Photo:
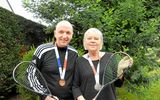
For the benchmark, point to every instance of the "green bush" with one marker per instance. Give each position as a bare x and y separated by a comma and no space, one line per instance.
9,52
123,94
147,91
150,92
15,31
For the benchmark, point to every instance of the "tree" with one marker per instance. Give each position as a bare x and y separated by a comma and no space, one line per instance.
9,51
128,25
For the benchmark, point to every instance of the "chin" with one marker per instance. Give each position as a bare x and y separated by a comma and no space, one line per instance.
92,50
64,45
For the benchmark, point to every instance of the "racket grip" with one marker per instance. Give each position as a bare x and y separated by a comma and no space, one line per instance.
95,98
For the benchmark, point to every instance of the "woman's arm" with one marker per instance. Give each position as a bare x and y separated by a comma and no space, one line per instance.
76,83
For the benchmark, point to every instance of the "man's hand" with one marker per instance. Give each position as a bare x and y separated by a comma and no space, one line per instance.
50,98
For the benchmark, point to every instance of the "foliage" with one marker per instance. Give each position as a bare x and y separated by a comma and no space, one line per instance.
9,51
123,94
142,91
16,35
151,92
119,20
128,25
147,92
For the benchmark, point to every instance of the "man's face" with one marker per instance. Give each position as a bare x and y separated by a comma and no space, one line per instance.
63,35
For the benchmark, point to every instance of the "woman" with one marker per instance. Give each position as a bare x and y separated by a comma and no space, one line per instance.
89,70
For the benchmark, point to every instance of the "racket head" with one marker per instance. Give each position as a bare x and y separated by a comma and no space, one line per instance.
116,60
110,74
27,75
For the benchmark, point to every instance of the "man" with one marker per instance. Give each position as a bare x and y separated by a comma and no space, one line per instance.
56,62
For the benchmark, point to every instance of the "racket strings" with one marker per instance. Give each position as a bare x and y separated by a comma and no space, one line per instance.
29,76
110,72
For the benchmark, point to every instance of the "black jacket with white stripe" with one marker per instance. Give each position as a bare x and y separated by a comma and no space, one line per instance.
45,59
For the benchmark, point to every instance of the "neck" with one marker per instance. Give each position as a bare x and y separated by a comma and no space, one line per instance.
94,55
60,46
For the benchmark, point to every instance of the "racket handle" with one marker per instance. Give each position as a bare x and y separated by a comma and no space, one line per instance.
95,98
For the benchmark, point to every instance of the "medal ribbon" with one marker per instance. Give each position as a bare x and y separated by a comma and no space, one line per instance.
96,73
62,72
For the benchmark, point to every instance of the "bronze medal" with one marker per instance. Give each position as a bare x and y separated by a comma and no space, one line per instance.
62,82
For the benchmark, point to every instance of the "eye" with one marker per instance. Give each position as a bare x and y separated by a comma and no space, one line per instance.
89,38
96,38
61,32
68,32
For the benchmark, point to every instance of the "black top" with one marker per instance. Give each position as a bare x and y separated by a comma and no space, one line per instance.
84,81
46,61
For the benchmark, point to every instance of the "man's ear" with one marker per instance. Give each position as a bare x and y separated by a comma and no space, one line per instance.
54,32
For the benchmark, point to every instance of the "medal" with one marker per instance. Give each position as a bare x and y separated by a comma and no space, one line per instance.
62,82
62,71
97,86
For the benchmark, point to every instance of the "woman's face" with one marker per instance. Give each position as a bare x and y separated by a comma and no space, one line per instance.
92,42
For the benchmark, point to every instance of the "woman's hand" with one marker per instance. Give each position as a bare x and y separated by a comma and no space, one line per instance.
124,63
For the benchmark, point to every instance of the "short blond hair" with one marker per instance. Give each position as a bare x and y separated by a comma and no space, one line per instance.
93,30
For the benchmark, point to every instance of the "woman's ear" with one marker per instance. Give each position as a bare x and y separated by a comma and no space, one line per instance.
84,44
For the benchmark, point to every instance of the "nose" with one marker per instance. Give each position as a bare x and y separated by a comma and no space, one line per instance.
64,34
92,40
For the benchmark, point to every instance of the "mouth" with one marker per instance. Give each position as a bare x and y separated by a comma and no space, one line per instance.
64,41
92,45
